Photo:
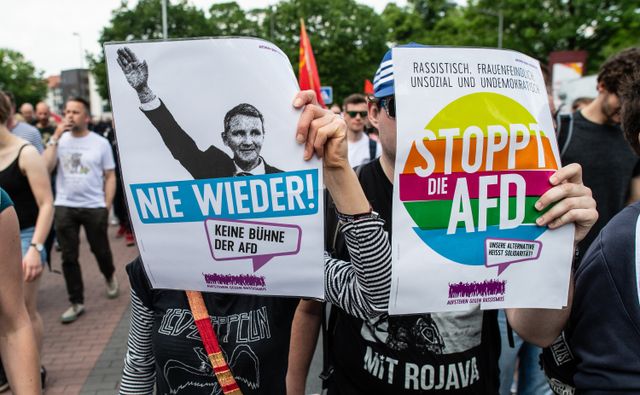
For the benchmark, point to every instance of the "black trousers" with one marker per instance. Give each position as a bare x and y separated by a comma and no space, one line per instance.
67,224
120,206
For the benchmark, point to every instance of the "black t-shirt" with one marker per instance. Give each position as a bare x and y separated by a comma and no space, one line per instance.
445,353
253,332
608,165
46,132
17,186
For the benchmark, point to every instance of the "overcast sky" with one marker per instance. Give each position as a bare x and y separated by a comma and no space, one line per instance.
52,34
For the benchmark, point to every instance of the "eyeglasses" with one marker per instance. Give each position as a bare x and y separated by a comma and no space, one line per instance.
352,114
389,104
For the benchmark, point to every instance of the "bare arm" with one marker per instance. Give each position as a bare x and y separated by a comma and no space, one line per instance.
17,342
304,337
50,153
50,156
573,204
109,187
541,326
325,134
33,166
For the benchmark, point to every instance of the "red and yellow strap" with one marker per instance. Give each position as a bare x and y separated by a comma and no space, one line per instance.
211,345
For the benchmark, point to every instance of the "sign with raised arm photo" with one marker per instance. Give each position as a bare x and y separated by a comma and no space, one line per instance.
475,150
219,195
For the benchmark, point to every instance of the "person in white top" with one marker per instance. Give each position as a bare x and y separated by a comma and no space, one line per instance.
85,187
361,148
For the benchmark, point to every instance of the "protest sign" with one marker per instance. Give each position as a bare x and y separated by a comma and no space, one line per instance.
475,149
218,193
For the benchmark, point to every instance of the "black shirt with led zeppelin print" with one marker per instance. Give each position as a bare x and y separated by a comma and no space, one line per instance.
253,332
445,353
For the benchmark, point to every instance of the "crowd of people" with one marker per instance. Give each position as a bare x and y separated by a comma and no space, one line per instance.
56,188
49,190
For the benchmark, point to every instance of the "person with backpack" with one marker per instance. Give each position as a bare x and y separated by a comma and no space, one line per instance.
362,149
444,353
599,350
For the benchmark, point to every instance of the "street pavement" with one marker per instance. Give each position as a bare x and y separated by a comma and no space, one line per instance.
86,356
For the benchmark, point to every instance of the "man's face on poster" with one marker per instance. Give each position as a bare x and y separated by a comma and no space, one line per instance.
245,137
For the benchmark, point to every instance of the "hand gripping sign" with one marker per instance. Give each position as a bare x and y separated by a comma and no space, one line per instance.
476,148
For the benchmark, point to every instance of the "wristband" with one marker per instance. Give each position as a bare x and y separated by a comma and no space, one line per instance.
53,140
346,218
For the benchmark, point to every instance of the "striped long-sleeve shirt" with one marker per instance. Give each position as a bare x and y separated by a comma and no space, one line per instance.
360,287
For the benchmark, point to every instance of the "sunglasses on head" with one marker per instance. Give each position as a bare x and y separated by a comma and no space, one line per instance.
352,114
389,104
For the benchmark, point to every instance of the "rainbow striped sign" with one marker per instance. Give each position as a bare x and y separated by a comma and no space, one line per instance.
479,179
475,150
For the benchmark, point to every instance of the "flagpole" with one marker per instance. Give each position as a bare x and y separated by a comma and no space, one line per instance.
164,19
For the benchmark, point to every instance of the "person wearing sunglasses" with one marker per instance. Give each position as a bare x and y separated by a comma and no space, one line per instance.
440,353
362,149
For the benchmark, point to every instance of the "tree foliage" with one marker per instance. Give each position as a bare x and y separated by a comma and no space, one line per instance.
20,77
349,38
144,22
552,25
228,19
534,28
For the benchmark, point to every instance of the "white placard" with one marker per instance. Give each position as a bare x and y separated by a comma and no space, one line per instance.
219,196
475,149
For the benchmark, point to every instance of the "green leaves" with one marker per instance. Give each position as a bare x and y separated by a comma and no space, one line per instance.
349,38
18,76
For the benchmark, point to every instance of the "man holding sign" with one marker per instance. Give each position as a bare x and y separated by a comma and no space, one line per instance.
243,131
440,353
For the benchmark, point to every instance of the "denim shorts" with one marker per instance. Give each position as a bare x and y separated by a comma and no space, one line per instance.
26,235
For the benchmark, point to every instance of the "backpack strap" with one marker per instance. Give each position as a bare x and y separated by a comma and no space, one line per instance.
373,148
331,228
564,122
637,247
329,316
512,343
330,313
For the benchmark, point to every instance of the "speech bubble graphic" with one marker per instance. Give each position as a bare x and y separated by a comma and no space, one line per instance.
259,241
476,172
505,252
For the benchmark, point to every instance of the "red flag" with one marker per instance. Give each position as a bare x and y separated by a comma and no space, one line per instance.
308,77
368,87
